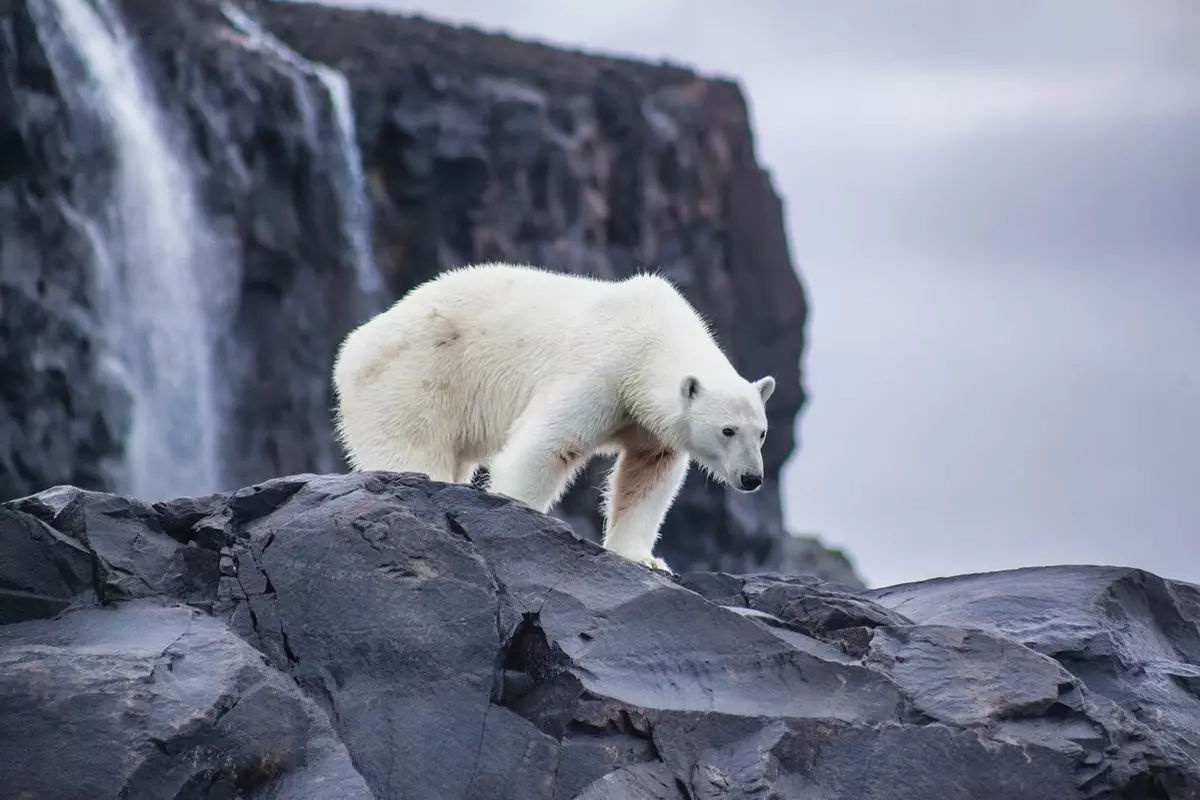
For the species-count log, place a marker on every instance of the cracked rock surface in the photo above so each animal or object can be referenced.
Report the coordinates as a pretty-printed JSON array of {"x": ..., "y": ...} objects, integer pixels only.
[{"x": 382, "y": 636}]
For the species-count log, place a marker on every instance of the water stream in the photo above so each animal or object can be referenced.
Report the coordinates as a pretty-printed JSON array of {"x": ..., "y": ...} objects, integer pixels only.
[
  {"x": 351, "y": 184},
  {"x": 149, "y": 240}
]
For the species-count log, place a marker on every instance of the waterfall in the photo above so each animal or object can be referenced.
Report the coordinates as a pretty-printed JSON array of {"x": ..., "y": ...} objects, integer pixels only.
[
  {"x": 351, "y": 187},
  {"x": 354, "y": 194},
  {"x": 150, "y": 246}
]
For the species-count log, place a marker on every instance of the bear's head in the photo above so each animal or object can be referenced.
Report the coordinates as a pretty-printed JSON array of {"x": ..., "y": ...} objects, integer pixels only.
[{"x": 725, "y": 425}]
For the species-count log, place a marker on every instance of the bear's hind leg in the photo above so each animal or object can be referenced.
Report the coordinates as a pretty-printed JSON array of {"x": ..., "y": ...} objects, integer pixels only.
[
  {"x": 534, "y": 471},
  {"x": 545, "y": 451},
  {"x": 641, "y": 488}
]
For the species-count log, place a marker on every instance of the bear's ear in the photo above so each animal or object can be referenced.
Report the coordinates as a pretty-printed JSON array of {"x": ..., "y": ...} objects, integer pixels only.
[
  {"x": 766, "y": 387},
  {"x": 690, "y": 387}
]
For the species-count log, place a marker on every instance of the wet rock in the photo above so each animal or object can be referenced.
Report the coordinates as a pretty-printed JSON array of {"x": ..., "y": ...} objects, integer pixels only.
[
  {"x": 1130, "y": 636},
  {"x": 147, "y": 700},
  {"x": 395, "y": 637}
]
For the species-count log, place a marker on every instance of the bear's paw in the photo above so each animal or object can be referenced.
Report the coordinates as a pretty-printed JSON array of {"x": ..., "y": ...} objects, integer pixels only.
[{"x": 655, "y": 563}]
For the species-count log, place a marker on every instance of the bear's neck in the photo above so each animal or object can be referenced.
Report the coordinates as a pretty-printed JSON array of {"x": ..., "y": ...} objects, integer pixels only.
[{"x": 654, "y": 392}]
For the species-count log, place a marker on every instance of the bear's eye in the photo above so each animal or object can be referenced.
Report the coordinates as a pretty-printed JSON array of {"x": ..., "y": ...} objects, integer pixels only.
[
  {"x": 762, "y": 437},
  {"x": 728, "y": 431}
]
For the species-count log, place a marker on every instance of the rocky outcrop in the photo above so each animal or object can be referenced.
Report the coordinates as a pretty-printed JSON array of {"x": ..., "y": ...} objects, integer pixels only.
[
  {"x": 381, "y": 636},
  {"x": 471, "y": 146}
]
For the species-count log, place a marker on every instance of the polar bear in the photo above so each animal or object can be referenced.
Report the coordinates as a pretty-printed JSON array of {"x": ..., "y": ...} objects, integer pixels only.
[{"x": 531, "y": 372}]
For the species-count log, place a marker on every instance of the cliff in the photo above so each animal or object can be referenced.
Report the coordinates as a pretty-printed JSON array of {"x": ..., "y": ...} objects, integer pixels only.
[
  {"x": 314, "y": 164},
  {"x": 381, "y": 636}
]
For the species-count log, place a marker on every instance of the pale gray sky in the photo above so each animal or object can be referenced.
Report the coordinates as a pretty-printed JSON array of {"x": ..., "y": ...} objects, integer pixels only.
[{"x": 995, "y": 207}]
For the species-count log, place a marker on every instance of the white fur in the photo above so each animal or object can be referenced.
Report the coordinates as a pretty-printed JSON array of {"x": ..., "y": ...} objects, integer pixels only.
[{"x": 532, "y": 372}]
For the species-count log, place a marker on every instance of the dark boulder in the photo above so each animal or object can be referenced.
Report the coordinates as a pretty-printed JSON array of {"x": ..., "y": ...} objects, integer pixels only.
[
  {"x": 1131, "y": 636},
  {"x": 379, "y": 635},
  {"x": 153, "y": 700}
]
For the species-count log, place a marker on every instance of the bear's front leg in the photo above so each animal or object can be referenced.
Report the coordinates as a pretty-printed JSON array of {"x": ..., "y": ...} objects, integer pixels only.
[{"x": 641, "y": 489}]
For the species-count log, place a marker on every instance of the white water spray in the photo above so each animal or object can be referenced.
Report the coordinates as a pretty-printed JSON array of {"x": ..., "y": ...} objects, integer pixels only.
[
  {"x": 150, "y": 239},
  {"x": 356, "y": 217}
]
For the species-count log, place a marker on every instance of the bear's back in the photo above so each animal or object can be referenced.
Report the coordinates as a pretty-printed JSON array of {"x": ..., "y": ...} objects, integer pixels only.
[{"x": 503, "y": 313}]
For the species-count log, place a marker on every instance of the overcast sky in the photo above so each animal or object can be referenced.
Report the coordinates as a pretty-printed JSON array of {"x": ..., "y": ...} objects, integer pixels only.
[{"x": 995, "y": 207}]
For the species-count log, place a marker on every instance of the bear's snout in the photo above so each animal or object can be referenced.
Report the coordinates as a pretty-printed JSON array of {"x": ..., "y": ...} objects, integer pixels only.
[{"x": 749, "y": 482}]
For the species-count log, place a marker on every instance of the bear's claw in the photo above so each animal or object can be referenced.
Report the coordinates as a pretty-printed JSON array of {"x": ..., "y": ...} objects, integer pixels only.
[{"x": 655, "y": 563}]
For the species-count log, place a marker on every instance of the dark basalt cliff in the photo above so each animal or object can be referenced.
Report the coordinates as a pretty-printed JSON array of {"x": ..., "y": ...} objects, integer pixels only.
[
  {"x": 473, "y": 147},
  {"x": 382, "y": 636}
]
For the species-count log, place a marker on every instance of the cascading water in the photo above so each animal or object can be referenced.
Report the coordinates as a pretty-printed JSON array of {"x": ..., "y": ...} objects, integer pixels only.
[
  {"x": 354, "y": 196},
  {"x": 150, "y": 243},
  {"x": 356, "y": 216}
]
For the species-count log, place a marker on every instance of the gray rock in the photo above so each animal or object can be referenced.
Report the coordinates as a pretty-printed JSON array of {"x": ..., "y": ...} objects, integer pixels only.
[
  {"x": 146, "y": 700},
  {"x": 394, "y": 637},
  {"x": 1131, "y": 636}
]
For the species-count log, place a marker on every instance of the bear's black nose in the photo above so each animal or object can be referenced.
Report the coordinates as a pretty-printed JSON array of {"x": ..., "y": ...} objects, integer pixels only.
[{"x": 751, "y": 482}]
